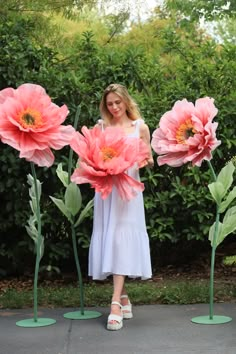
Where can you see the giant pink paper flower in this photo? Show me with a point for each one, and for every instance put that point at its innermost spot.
(186, 133)
(31, 123)
(105, 157)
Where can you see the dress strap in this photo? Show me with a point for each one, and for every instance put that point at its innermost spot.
(137, 123)
(101, 124)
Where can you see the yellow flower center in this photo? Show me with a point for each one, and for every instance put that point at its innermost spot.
(108, 153)
(185, 131)
(30, 118)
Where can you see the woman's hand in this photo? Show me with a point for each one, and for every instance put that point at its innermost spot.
(145, 136)
(147, 163)
(150, 162)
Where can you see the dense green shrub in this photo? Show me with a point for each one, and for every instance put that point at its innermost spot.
(186, 65)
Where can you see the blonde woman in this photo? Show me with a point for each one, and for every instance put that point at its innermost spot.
(120, 244)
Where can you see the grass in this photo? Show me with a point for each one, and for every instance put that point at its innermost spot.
(99, 294)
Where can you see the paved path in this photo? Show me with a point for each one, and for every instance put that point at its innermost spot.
(159, 329)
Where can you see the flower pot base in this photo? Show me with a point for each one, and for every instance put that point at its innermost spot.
(208, 320)
(77, 315)
(40, 322)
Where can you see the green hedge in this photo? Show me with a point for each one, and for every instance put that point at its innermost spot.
(178, 205)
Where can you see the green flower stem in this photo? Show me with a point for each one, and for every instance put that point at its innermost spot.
(39, 241)
(71, 151)
(212, 170)
(213, 249)
(78, 269)
(74, 243)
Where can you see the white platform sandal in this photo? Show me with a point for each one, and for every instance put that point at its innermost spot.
(117, 320)
(127, 309)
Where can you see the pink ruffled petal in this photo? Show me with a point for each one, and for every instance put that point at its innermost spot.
(5, 93)
(104, 186)
(174, 159)
(31, 123)
(105, 156)
(42, 158)
(127, 186)
(186, 133)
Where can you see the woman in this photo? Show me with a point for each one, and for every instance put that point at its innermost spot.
(120, 244)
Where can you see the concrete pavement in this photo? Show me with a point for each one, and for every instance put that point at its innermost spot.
(159, 329)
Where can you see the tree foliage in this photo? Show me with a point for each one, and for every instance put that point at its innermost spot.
(210, 10)
(226, 29)
(67, 7)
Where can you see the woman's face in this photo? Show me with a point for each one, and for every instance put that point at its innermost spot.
(115, 105)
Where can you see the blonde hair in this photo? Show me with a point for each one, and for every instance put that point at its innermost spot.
(132, 109)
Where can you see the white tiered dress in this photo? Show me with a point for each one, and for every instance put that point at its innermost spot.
(119, 242)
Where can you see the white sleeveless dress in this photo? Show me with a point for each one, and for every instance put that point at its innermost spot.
(119, 242)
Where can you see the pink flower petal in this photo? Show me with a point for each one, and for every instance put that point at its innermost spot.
(105, 156)
(186, 133)
(42, 158)
(127, 186)
(174, 159)
(31, 123)
(5, 93)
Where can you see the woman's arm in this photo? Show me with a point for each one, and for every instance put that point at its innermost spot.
(145, 136)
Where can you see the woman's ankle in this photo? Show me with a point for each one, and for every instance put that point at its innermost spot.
(124, 299)
(115, 308)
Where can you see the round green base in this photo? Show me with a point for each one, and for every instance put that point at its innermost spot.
(214, 320)
(77, 315)
(41, 322)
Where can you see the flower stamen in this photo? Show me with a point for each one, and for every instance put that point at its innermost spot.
(108, 153)
(185, 131)
(30, 118)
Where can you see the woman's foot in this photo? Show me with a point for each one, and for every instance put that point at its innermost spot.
(115, 319)
(126, 307)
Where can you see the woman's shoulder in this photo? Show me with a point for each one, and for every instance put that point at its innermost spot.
(141, 123)
(138, 121)
(143, 127)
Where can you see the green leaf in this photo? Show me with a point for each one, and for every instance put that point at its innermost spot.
(227, 228)
(231, 196)
(224, 229)
(84, 212)
(217, 191)
(32, 193)
(226, 176)
(73, 198)
(60, 204)
(223, 182)
(212, 234)
(229, 260)
(32, 229)
(41, 247)
(33, 205)
(62, 175)
(31, 233)
(230, 213)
